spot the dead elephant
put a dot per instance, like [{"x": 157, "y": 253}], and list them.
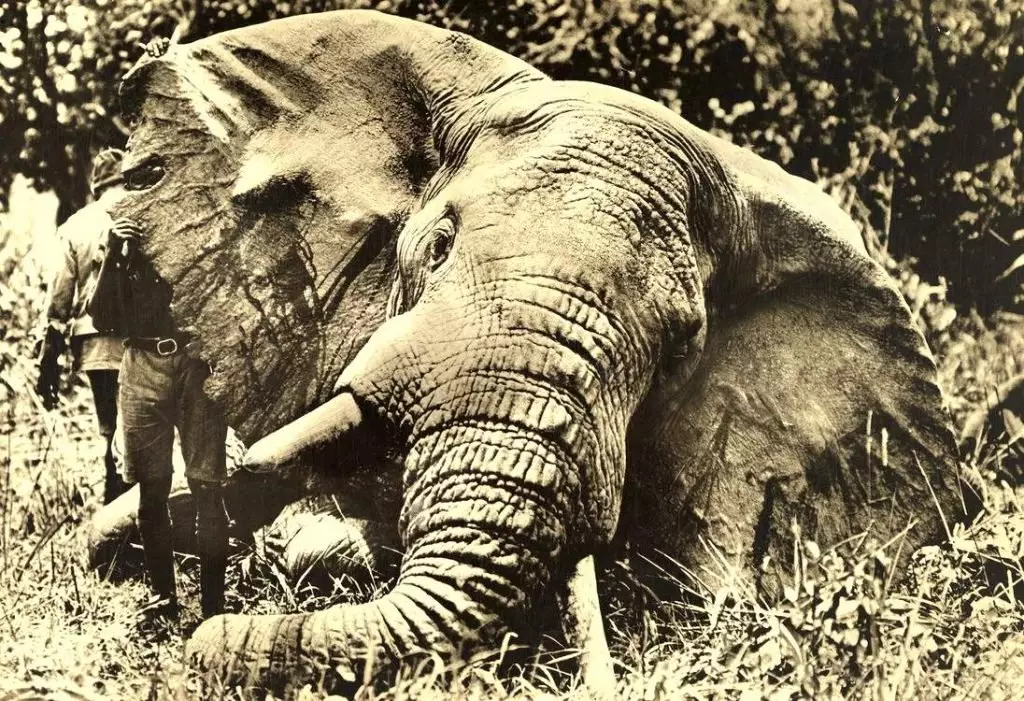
[{"x": 570, "y": 315}]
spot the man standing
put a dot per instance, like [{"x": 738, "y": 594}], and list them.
[
  {"x": 162, "y": 390},
  {"x": 82, "y": 238}
]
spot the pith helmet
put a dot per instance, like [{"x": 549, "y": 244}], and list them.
[{"x": 106, "y": 169}]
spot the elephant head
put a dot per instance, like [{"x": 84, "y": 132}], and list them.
[{"x": 569, "y": 312}]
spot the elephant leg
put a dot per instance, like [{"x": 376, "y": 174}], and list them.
[
  {"x": 315, "y": 547},
  {"x": 252, "y": 501},
  {"x": 110, "y": 534},
  {"x": 584, "y": 628}
]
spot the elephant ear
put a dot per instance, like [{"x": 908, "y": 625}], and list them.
[
  {"x": 815, "y": 401},
  {"x": 293, "y": 150}
]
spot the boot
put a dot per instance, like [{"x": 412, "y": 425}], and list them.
[
  {"x": 212, "y": 539},
  {"x": 211, "y": 584},
  {"x": 157, "y": 544},
  {"x": 160, "y": 569}
]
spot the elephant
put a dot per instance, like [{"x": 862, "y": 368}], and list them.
[{"x": 557, "y": 314}]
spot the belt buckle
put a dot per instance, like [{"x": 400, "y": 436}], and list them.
[{"x": 173, "y": 346}]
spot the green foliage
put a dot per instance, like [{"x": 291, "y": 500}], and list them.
[{"x": 907, "y": 111}]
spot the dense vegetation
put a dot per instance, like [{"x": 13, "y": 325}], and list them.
[{"x": 907, "y": 111}]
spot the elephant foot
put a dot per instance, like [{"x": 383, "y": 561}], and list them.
[{"x": 316, "y": 548}]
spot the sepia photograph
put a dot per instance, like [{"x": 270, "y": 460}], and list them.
[{"x": 511, "y": 349}]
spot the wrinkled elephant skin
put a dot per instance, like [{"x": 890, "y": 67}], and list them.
[{"x": 569, "y": 313}]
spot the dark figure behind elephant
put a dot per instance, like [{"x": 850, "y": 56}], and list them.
[{"x": 572, "y": 316}]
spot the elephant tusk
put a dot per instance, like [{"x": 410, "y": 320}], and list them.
[
  {"x": 327, "y": 423},
  {"x": 584, "y": 627}
]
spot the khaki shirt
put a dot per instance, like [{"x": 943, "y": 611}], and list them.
[{"x": 83, "y": 239}]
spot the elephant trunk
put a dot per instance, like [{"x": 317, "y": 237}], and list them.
[
  {"x": 328, "y": 649},
  {"x": 483, "y": 521}
]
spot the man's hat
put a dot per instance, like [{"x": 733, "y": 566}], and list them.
[{"x": 106, "y": 169}]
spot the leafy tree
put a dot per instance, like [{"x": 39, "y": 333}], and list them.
[
  {"x": 908, "y": 111},
  {"x": 59, "y": 64}
]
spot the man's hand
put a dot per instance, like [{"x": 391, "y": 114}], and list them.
[
  {"x": 106, "y": 306},
  {"x": 123, "y": 236},
  {"x": 158, "y": 47},
  {"x": 48, "y": 382}
]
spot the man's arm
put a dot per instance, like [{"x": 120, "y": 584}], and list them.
[
  {"x": 62, "y": 286},
  {"x": 58, "y": 313},
  {"x": 106, "y": 306}
]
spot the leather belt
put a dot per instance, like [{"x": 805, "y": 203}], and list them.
[{"x": 160, "y": 346}]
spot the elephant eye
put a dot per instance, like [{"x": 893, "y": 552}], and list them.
[
  {"x": 144, "y": 176},
  {"x": 441, "y": 244},
  {"x": 421, "y": 251}
]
